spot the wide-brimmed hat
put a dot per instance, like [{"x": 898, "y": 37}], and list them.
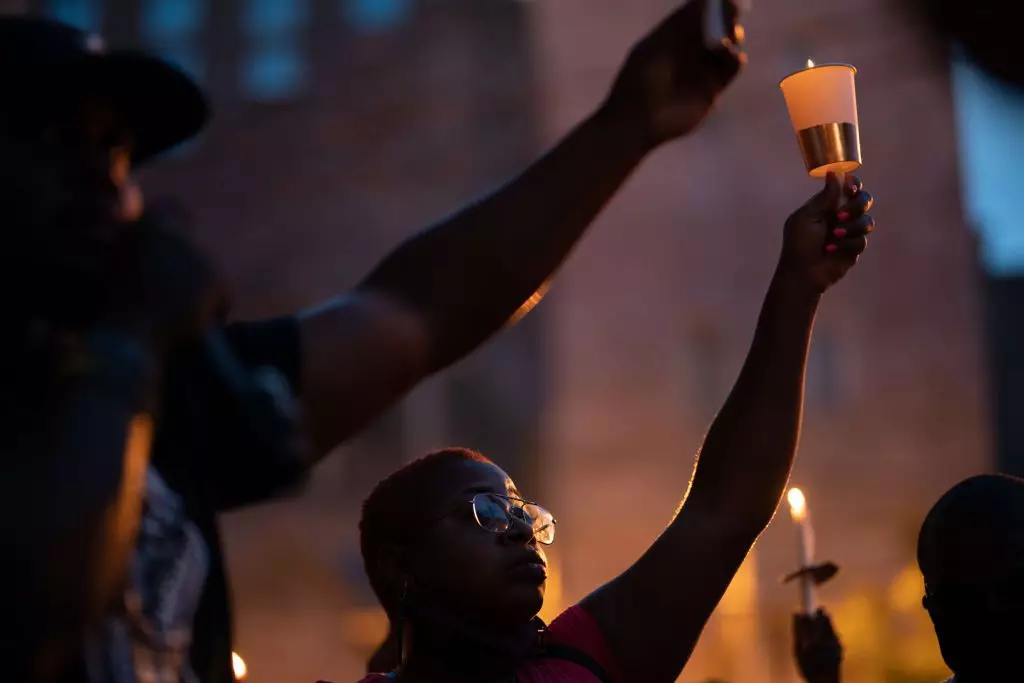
[{"x": 44, "y": 63}]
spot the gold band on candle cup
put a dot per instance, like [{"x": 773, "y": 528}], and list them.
[{"x": 830, "y": 147}]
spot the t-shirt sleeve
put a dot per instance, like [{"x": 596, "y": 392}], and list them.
[
  {"x": 275, "y": 343},
  {"x": 575, "y": 628},
  {"x": 242, "y": 476}
]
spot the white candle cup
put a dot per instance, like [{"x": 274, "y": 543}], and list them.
[{"x": 822, "y": 103}]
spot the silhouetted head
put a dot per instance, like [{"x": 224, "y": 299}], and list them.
[
  {"x": 75, "y": 118},
  {"x": 87, "y": 113},
  {"x": 971, "y": 552},
  {"x": 448, "y": 539}
]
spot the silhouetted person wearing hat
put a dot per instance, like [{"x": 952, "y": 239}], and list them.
[
  {"x": 116, "y": 571},
  {"x": 971, "y": 552}
]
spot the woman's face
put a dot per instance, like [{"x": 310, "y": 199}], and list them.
[{"x": 480, "y": 575}]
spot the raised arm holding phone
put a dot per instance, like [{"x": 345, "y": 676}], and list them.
[{"x": 107, "y": 362}]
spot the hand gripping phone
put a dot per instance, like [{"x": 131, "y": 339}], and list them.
[{"x": 721, "y": 24}]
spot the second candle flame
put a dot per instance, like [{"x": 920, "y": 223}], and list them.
[
  {"x": 797, "y": 504},
  {"x": 810, "y": 65}
]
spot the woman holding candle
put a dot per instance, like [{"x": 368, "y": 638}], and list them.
[{"x": 454, "y": 552}]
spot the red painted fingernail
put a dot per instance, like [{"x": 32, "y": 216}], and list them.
[
  {"x": 831, "y": 248},
  {"x": 843, "y": 216},
  {"x": 839, "y": 232}
]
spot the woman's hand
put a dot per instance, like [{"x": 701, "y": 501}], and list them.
[
  {"x": 819, "y": 654},
  {"x": 823, "y": 240}
]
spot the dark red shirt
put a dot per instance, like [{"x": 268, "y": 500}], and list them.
[{"x": 573, "y": 628}]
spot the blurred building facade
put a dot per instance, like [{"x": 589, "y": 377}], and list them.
[
  {"x": 343, "y": 126},
  {"x": 652, "y": 319},
  {"x": 991, "y": 127}
]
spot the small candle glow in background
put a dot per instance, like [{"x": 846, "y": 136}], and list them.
[
  {"x": 797, "y": 502},
  {"x": 801, "y": 517},
  {"x": 238, "y": 664}
]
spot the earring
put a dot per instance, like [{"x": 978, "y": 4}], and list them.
[{"x": 399, "y": 627}]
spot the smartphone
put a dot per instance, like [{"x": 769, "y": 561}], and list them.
[{"x": 721, "y": 23}]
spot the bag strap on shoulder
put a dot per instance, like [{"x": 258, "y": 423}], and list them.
[{"x": 571, "y": 654}]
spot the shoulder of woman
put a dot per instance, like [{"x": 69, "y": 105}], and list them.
[
  {"x": 574, "y": 625},
  {"x": 577, "y": 630}
]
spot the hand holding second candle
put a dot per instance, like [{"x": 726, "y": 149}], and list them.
[{"x": 818, "y": 650}]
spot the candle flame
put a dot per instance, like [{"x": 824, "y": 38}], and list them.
[
  {"x": 238, "y": 664},
  {"x": 797, "y": 504},
  {"x": 810, "y": 65}
]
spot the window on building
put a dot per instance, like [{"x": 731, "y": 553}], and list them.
[
  {"x": 86, "y": 15},
  {"x": 275, "y": 66},
  {"x": 375, "y": 15},
  {"x": 990, "y": 123},
  {"x": 274, "y": 73},
  {"x": 272, "y": 18},
  {"x": 172, "y": 29}
]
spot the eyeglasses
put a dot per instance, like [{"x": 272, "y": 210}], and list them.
[{"x": 495, "y": 513}]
